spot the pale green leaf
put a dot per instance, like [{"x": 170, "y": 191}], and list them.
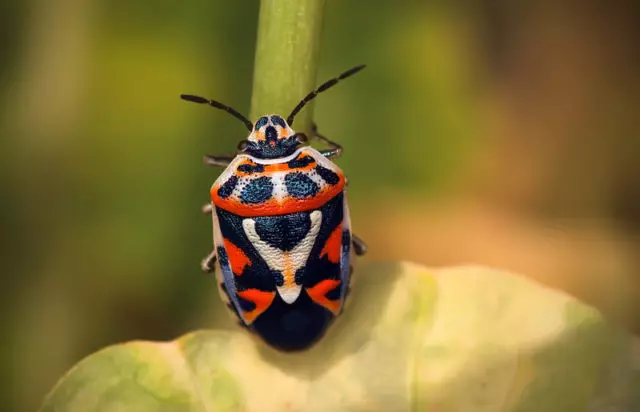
[{"x": 412, "y": 338}]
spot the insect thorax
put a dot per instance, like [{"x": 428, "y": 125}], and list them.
[{"x": 302, "y": 181}]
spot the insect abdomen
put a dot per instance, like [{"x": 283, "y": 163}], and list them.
[{"x": 287, "y": 271}]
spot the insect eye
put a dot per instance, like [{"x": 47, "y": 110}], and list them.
[{"x": 242, "y": 146}]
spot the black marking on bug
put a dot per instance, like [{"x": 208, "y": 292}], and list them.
[
  {"x": 334, "y": 294},
  {"x": 299, "y": 275},
  {"x": 279, "y": 278},
  {"x": 300, "y": 185},
  {"x": 314, "y": 272},
  {"x": 277, "y": 120},
  {"x": 250, "y": 168},
  {"x": 320, "y": 268},
  {"x": 292, "y": 327},
  {"x": 261, "y": 122},
  {"x": 283, "y": 232},
  {"x": 227, "y": 187},
  {"x": 327, "y": 175},
  {"x": 346, "y": 241},
  {"x": 300, "y": 162},
  {"x": 257, "y": 275},
  {"x": 264, "y": 149},
  {"x": 296, "y": 326},
  {"x": 246, "y": 305},
  {"x": 223, "y": 259},
  {"x": 258, "y": 190},
  {"x": 271, "y": 134}
]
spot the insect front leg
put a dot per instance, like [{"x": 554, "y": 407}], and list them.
[
  {"x": 221, "y": 160},
  {"x": 334, "y": 151},
  {"x": 358, "y": 245}
]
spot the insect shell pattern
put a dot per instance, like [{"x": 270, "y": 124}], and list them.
[{"x": 281, "y": 229}]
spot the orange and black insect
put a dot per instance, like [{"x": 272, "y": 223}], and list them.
[{"x": 282, "y": 233}]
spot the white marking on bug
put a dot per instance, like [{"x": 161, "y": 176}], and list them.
[
  {"x": 242, "y": 182},
  {"x": 315, "y": 177},
  {"x": 279, "y": 187},
  {"x": 286, "y": 262},
  {"x": 273, "y": 161}
]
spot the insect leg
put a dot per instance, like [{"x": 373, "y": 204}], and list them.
[
  {"x": 358, "y": 245},
  {"x": 207, "y": 209},
  {"x": 208, "y": 262},
  {"x": 222, "y": 160},
  {"x": 334, "y": 151}
]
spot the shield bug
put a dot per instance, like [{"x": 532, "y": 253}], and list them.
[{"x": 281, "y": 229}]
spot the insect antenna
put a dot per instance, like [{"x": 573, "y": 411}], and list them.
[
  {"x": 218, "y": 105},
  {"x": 324, "y": 86}
]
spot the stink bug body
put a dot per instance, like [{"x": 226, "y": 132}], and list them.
[{"x": 282, "y": 233}]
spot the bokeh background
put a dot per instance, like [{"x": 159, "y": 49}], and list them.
[{"x": 489, "y": 132}]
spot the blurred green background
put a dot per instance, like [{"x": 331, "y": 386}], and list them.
[{"x": 490, "y": 132}]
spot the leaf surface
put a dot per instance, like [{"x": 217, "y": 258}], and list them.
[{"x": 411, "y": 338}]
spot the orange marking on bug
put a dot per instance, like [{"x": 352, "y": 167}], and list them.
[
  {"x": 333, "y": 247},
  {"x": 274, "y": 207},
  {"x": 260, "y": 136},
  {"x": 287, "y": 273},
  {"x": 278, "y": 167},
  {"x": 318, "y": 294},
  {"x": 237, "y": 258},
  {"x": 261, "y": 299},
  {"x": 270, "y": 169},
  {"x": 284, "y": 167}
]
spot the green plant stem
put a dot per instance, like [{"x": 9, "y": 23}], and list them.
[{"x": 286, "y": 57}]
